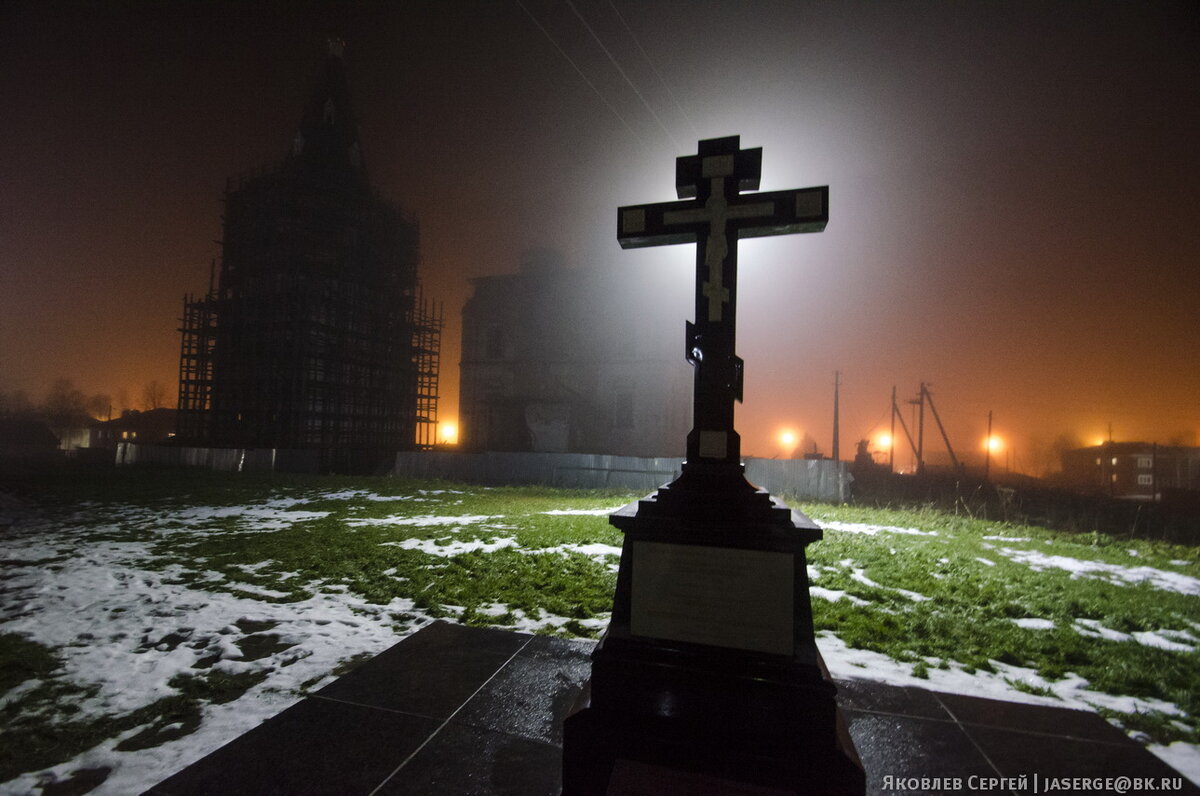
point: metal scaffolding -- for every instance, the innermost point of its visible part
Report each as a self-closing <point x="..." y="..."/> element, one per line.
<point x="428" y="323"/>
<point x="313" y="333"/>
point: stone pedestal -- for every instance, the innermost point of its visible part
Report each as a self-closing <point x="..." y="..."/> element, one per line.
<point x="708" y="679"/>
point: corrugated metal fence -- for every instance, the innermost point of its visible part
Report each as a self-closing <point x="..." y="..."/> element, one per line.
<point x="225" y="459"/>
<point x="797" y="478"/>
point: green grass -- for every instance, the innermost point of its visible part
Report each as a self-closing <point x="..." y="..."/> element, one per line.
<point x="340" y="549"/>
<point x="966" y="621"/>
<point x="22" y="659"/>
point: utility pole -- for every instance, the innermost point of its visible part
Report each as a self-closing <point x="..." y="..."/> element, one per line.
<point x="892" y="435"/>
<point x="907" y="435"/>
<point x="927" y="395"/>
<point x="837" y="380"/>
<point x="921" y="433"/>
<point x="987" y="449"/>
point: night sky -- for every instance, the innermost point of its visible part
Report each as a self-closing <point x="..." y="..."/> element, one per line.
<point x="1014" y="187"/>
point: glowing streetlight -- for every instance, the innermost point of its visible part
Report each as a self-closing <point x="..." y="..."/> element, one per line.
<point x="883" y="442"/>
<point x="994" y="444"/>
<point x="788" y="440"/>
<point x="448" y="432"/>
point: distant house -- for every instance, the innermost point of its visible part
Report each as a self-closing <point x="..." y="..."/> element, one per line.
<point x="146" y="428"/>
<point x="1137" y="470"/>
<point x="79" y="433"/>
<point x="556" y="359"/>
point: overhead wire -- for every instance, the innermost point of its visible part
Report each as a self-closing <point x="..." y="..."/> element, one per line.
<point x="612" y="59"/>
<point x="654" y="69"/>
<point x="581" y="74"/>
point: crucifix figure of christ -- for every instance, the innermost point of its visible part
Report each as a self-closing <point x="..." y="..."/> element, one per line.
<point x="714" y="215"/>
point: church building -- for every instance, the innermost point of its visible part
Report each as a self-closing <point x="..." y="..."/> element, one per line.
<point x="313" y="334"/>
<point x="575" y="360"/>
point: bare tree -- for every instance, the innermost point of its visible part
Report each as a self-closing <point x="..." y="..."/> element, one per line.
<point x="123" y="404"/>
<point x="65" y="405"/>
<point x="154" y="396"/>
<point x="16" y="403"/>
<point x="1186" y="439"/>
<point x="1050" y="459"/>
<point x="99" y="406"/>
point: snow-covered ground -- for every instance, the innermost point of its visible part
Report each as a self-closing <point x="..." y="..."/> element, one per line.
<point x="127" y="630"/>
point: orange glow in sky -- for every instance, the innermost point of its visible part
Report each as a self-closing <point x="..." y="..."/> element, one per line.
<point x="906" y="137"/>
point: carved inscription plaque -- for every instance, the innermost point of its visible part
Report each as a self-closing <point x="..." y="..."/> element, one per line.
<point x="714" y="595"/>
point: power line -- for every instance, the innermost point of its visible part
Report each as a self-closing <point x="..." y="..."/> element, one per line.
<point x="624" y="76"/>
<point x="581" y="74"/>
<point x="657" y="74"/>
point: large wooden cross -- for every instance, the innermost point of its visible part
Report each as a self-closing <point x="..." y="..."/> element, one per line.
<point x="714" y="216"/>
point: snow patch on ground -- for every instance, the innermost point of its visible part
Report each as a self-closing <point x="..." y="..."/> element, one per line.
<point x="1170" y="640"/>
<point x="986" y="561"/>
<point x="1183" y="757"/>
<point x="1034" y="624"/>
<point x="1093" y="629"/>
<point x="274" y="515"/>
<point x="422" y="521"/>
<point x="128" y="632"/>
<point x="589" y="512"/>
<point x="542" y="621"/>
<point x="362" y="494"/>
<point x="1111" y="573"/>
<point x="833" y="595"/>
<point x="871" y="530"/>
<point x="434" y="548"/>
<point x="1070" y="692"/>
<point x="859" y="575"/>
<point x="261" y="591"/>
<point x="600" y="553"/>
<point x="1159" y="640"/>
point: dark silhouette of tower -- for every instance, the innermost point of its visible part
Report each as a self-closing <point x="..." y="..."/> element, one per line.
<point x="313" y="334"/>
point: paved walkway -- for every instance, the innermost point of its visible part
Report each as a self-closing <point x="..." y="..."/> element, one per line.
<point x="453" y="710"/>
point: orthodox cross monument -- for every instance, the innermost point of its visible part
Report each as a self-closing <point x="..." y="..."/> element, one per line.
<point x="714" y="216"/>
<point x="708" y="677"/>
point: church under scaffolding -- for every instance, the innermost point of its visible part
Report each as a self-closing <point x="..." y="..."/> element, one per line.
<point x="313" y="334"/>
